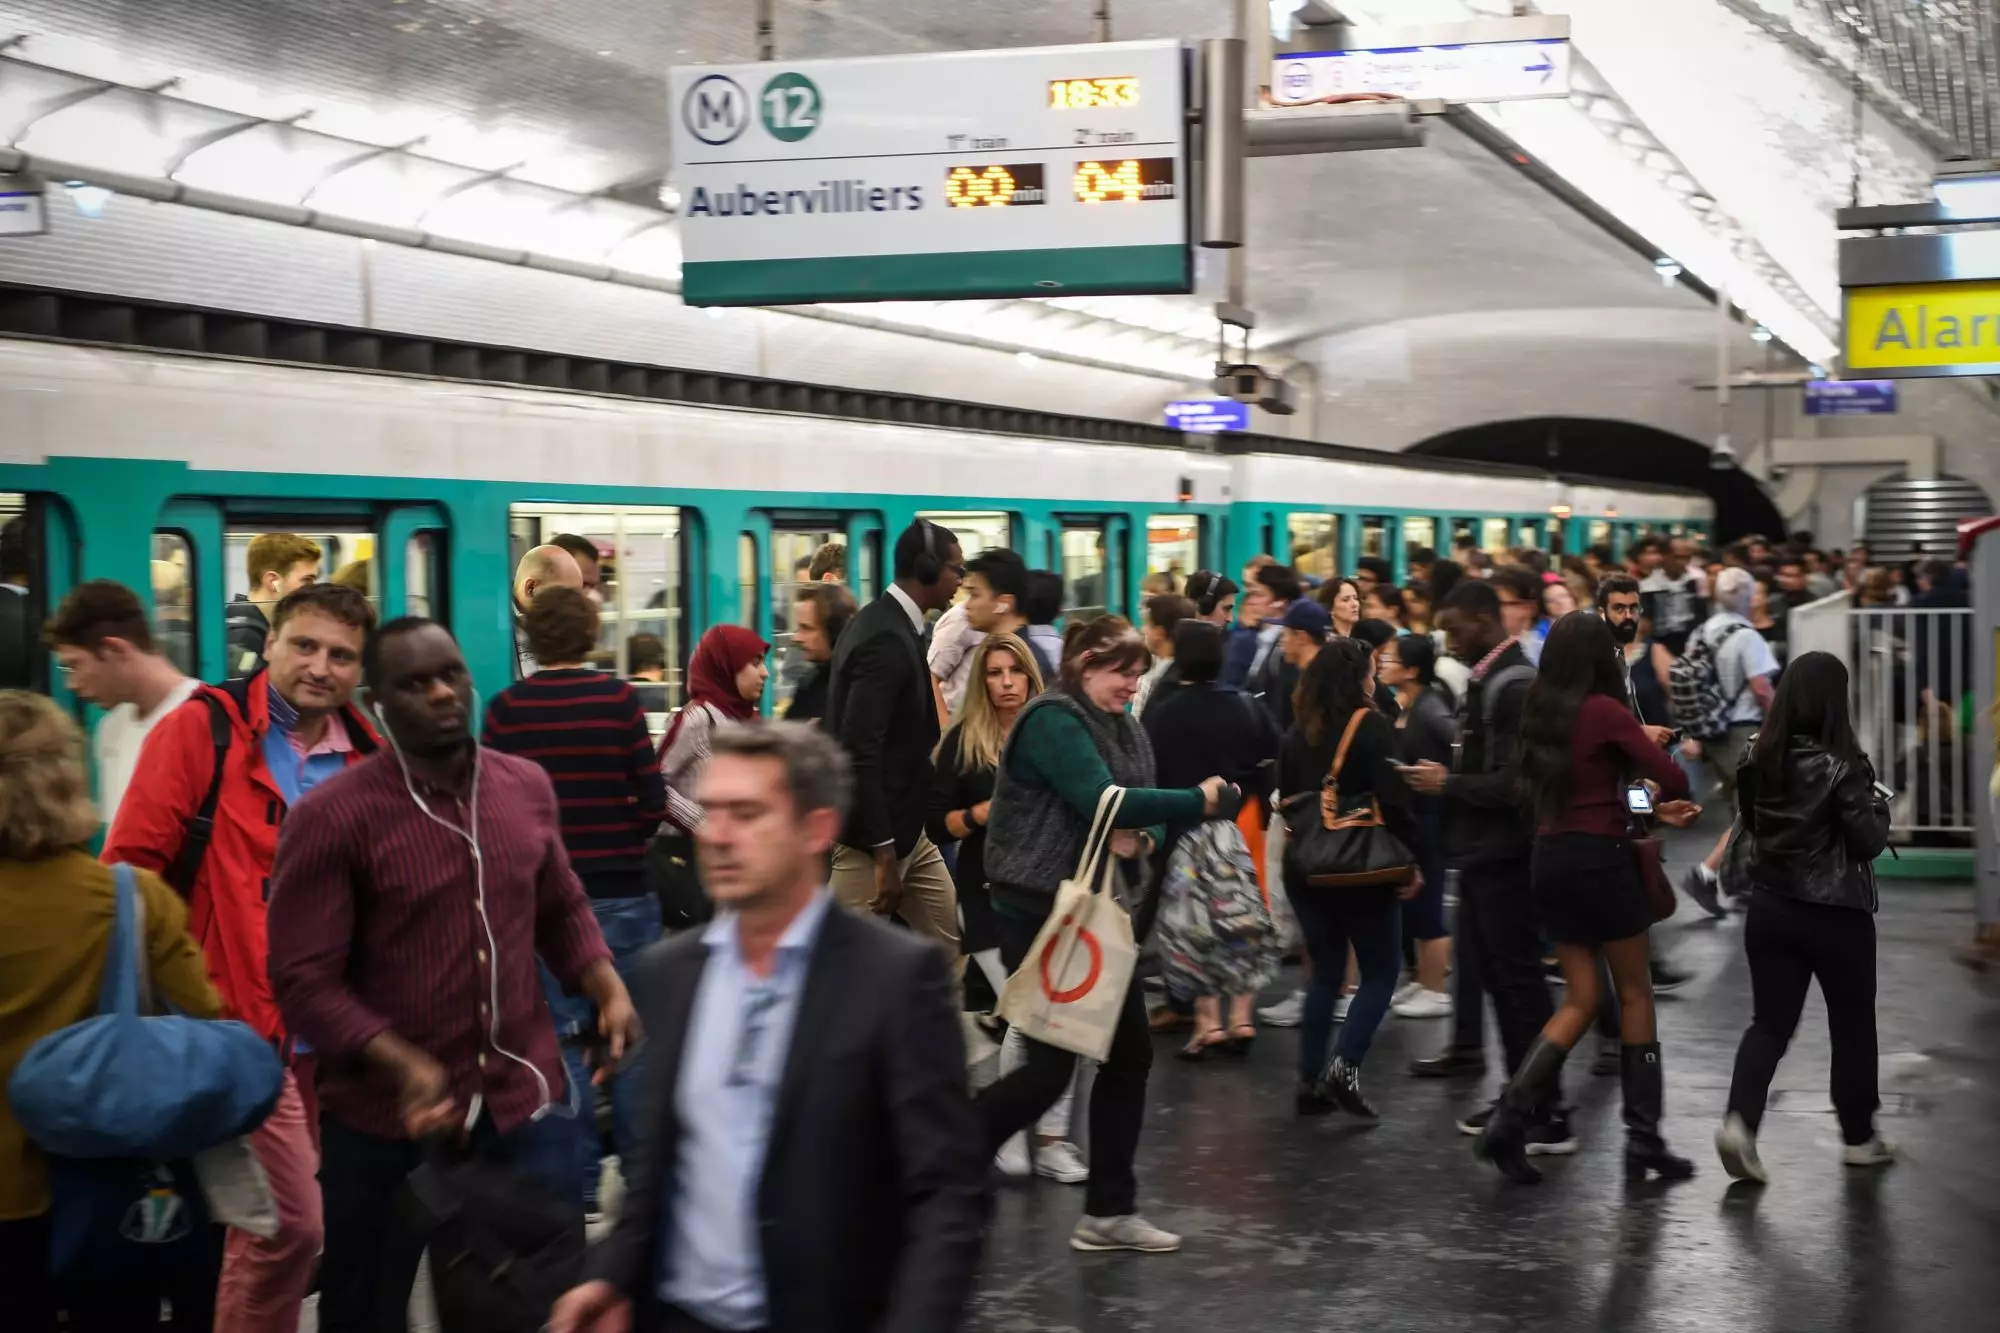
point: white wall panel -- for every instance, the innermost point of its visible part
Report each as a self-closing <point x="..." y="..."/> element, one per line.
<point x="187" y="256"/>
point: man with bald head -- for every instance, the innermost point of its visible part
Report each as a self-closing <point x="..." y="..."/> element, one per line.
<point x="542" y="567"/>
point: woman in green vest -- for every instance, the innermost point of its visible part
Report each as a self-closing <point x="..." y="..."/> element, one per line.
<point x="1067" y="746"/>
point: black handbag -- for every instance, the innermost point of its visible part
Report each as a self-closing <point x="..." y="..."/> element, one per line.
<point x="503" y="1247"/>
<point x="669" y="871"/>
<point x="1343" y="849"/>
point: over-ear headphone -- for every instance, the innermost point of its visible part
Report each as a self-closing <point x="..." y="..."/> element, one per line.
<point x="928" y="567"/>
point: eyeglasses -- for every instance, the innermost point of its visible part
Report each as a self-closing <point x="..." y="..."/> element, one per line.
<point x="750" y="1038"/>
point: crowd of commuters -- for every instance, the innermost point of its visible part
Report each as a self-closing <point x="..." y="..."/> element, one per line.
<point x="440" y="926"/>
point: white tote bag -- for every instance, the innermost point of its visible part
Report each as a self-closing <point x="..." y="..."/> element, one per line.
<point x="1071" y="987"/>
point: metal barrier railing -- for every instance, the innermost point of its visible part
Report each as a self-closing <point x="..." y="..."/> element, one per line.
<point x="1911" y="674"/>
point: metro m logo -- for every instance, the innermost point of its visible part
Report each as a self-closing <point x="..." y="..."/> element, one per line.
<point x="716" y="109"/>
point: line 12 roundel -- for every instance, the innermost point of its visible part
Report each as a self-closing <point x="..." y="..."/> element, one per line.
<point x="1071" y="994"/>
<point x="790" y="106"/>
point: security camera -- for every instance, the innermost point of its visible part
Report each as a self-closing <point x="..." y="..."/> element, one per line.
<point x="1257" y="386"/>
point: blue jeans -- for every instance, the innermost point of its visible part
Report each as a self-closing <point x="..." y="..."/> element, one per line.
<point x="1331" y="920"/>
<point x="628" y="925"/>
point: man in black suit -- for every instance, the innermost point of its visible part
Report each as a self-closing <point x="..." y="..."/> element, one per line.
<point x="812" y="1163"/>
<point x="880" y="707"/>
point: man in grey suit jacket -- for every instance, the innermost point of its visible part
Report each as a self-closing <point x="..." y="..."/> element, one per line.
<point x="812" y="1163"/>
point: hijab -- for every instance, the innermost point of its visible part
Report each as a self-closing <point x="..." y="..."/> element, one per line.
<point x="722" y="652"/>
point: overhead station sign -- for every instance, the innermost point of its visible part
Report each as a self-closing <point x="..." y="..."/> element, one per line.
<point x="1925" y="328"/>
<point x="1503" y="71"/>
<point x="1850" y="398"/>
<point x="1056" y="171"/>
<point x="1208" y="416"/>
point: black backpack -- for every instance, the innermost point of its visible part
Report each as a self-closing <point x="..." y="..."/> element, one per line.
<point x="503" y="1247"/>
<point x="199" y="831"/>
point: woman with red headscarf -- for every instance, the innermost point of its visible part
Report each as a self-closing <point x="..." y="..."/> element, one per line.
<point x="725" y="681"/>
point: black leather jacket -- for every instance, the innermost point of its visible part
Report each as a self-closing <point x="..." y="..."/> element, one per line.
<point x="1817" y="838"/>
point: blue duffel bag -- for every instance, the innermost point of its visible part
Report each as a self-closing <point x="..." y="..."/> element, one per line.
<point x="127" y="1085"/>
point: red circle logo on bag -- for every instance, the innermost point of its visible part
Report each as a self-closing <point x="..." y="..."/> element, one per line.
<point x="1090" y="976"/>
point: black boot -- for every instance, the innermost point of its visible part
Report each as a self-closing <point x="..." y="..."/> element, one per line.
<point x="1342" y="1082"/>
<point x="1504" y="1141"/>
<point x="1645" y="1092"/>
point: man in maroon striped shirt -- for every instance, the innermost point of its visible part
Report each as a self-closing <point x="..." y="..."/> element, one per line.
<point x="410" y="898"/>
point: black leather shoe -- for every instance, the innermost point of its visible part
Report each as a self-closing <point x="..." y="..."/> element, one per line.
<point x="1449" y="1063"/>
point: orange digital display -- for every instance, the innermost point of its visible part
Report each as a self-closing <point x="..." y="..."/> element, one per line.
<point x="1131" y="181"/>
<point x="1014" y="185"/>
<point x="1093" y="94"/>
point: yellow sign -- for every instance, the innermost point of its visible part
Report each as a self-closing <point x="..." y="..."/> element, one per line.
<point x="1919" y="325"/>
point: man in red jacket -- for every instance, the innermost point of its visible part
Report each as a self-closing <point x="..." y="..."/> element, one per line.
<point x="287" y="728"/>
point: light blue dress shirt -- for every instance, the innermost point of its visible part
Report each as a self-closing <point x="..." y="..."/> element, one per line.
<point x="738" y="1036"/>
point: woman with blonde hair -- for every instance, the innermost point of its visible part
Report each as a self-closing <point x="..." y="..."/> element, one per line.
<point x="1004" y="677"/>
<point x="57" y="906"/>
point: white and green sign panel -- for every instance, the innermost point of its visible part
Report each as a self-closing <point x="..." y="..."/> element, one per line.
<point x="1054" y="171"/>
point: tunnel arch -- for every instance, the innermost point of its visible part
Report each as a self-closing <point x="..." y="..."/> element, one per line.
<point x="1620" y="449"/>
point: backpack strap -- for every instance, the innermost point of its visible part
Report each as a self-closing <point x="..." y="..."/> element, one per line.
<point x="1490" y="693"/>
<point x="199" y="831"/>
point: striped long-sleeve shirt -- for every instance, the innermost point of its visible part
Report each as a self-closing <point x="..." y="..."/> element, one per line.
<point x="376" y="926"/>
<point x="588" y="731"/>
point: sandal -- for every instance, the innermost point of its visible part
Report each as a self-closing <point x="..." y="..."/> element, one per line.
<point x="1241" y="1038"/>
<point x="1198" y="1048"/>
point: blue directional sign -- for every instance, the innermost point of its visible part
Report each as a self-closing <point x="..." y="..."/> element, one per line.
<point x="1850" y="398"/>
<point x="1208" y="415"/>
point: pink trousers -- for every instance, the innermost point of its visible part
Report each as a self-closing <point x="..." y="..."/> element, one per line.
<point x="264" y="1281"/>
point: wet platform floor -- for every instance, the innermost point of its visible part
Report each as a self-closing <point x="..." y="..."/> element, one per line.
<point x="1332" y="1224"/>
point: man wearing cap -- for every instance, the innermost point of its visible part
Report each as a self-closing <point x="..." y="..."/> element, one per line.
<point x="1305" y="626"/>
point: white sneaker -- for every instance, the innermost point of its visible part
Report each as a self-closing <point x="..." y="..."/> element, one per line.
<point x="1872" y="1153"/>
<point x="1060" y="1161"/>
<point x="1131" y="1232"/>
<point x="1286" y="1013"/>
<point x="1012" y="1159"/>
<point x="1341" y="1006"/>
<point x="1737" y="1147"/>
<point x="1406" y="992"/>
<point x="1424" y="1004"/>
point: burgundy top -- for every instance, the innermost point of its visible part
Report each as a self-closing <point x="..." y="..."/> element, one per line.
<point x="375" y="926"/>
<point x="1608" y="750"/>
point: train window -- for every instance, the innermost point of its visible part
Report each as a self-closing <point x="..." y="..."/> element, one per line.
<point x="423" y="574"/>
<point x="174" y="600"/>
<point x="1086" y="580"/>
<point x="1531" y="533"/>
<point x="1173" y="546"/>
<point x="291" y="558"/>
<point x="1375" y="536"/>
<point x="792" y="552"/>
<point x="1600" y="532"/>
<point x="1493" y="537"/>
<point x="1464" y="536"/>
<point x="864" y="567"/>
<point x="976" y="530"/>
<point x="23" y="595"/>
<point x="1418" y="534"/>
<point x="746" y="579"/>
<point x="1314" y="544"/>
<point x="642" y="582"/>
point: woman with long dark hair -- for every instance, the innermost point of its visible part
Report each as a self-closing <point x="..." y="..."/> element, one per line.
<point x="1338" y="685"/>
<point x="1582" y="753"/>
<point x="1812" y="826"/>
<point x="1205" y="727"/>
<point x="1425" y="729"/>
